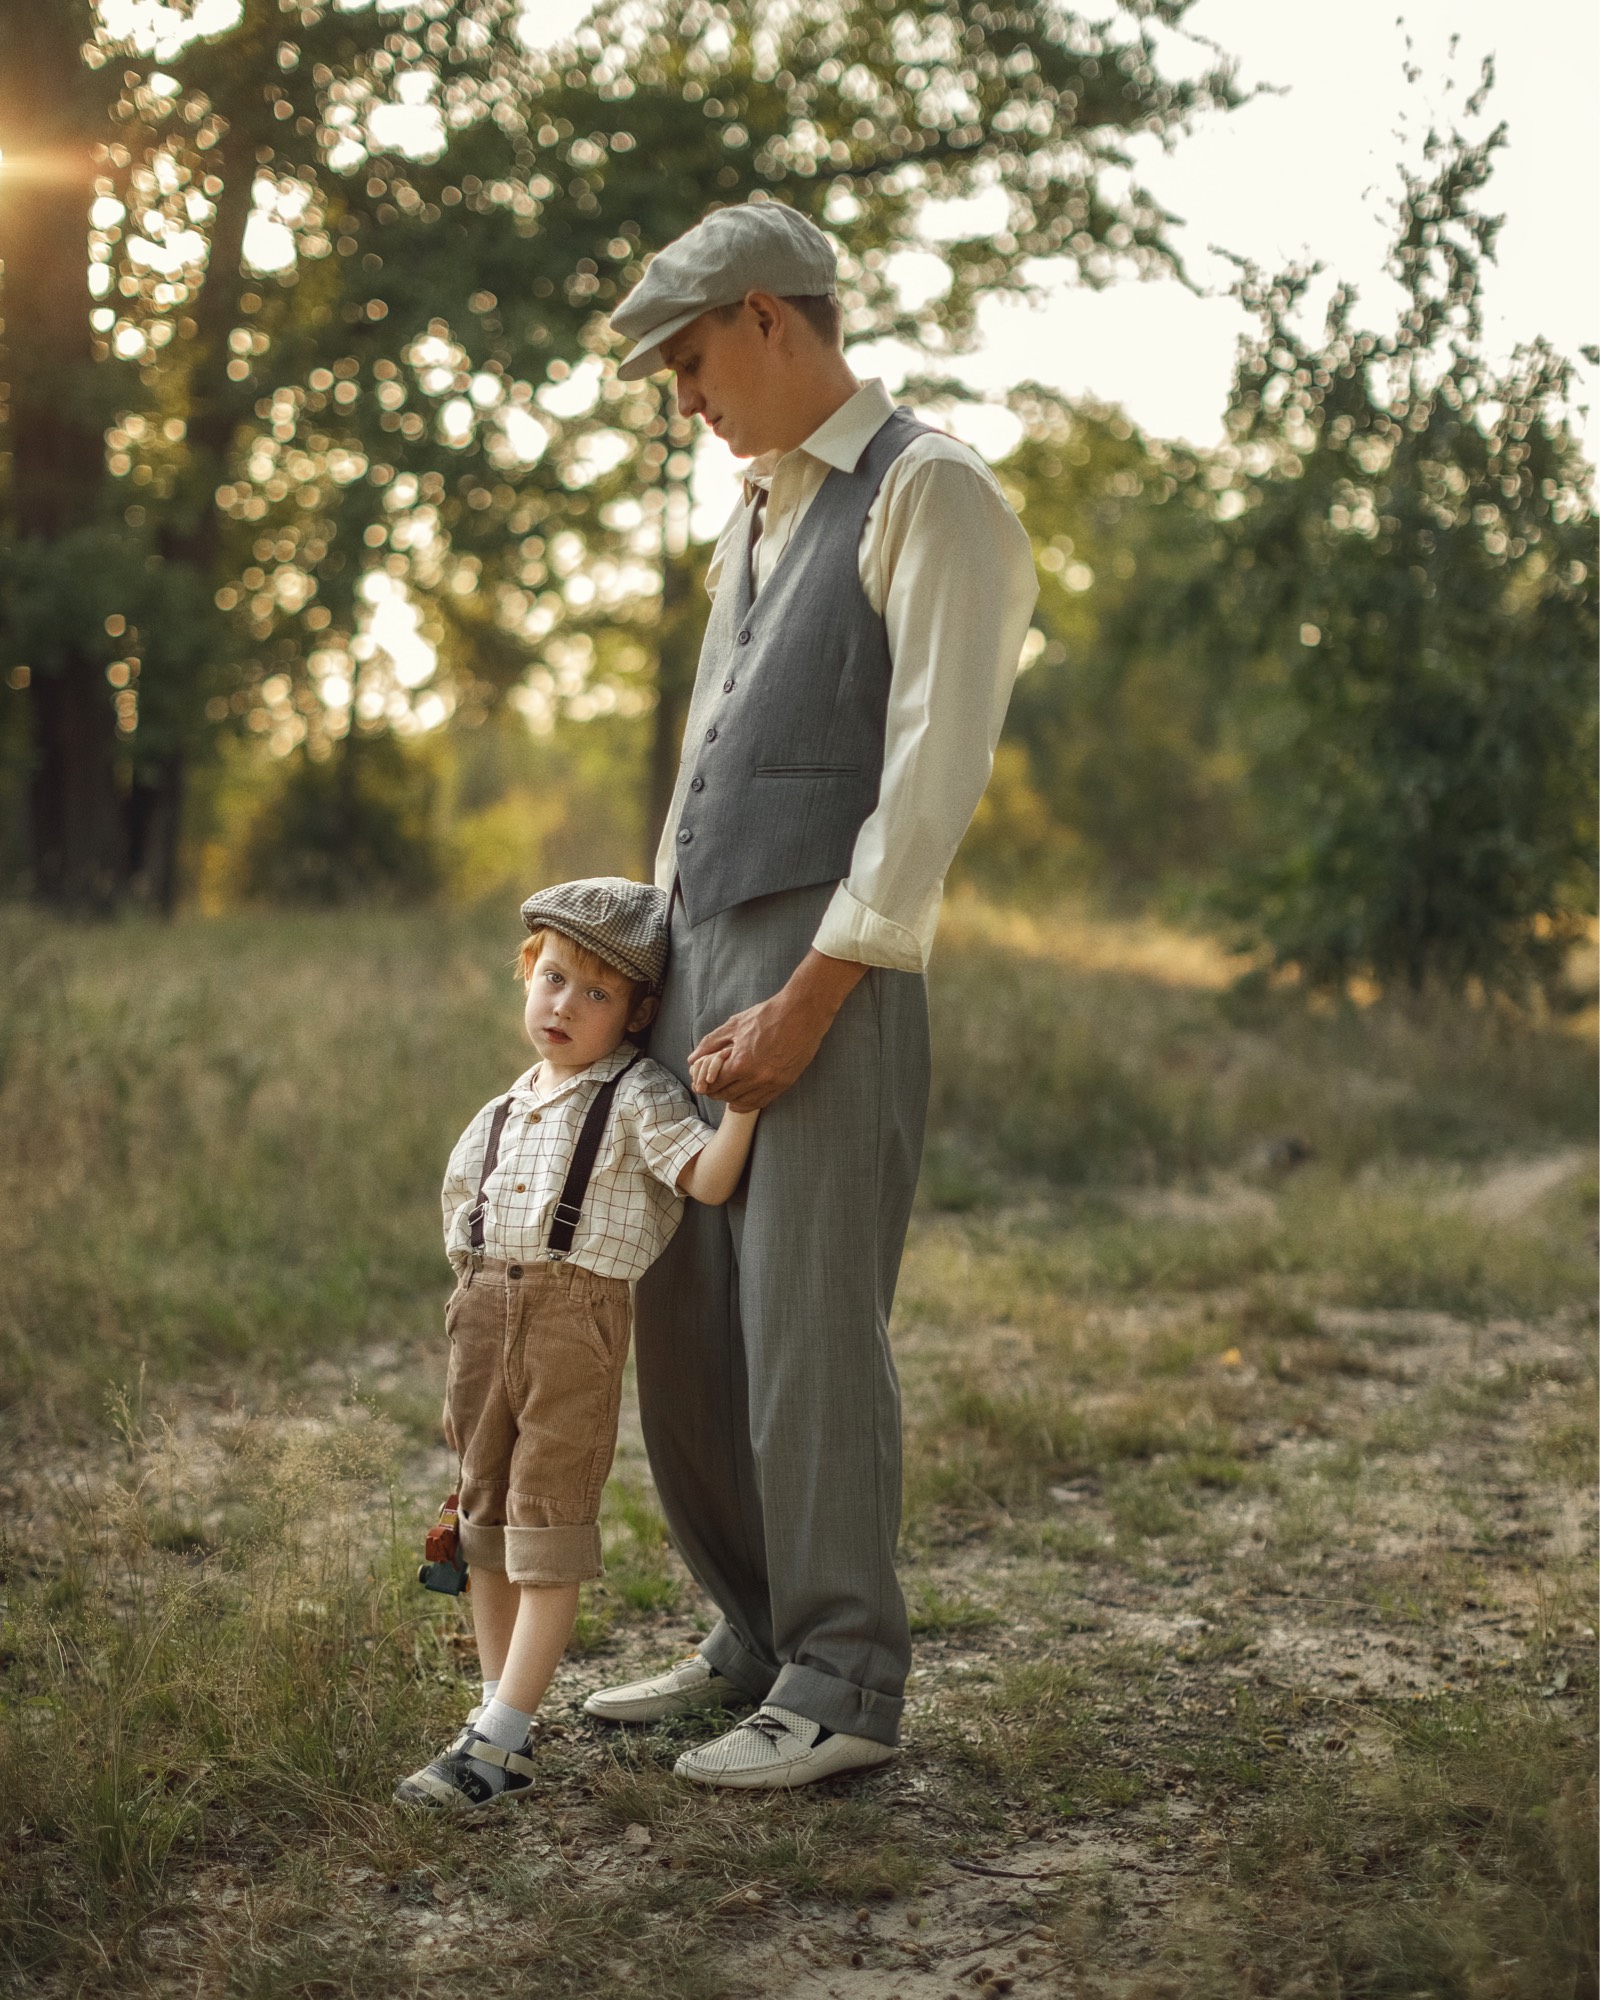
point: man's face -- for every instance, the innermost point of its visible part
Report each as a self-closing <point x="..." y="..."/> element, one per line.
<point x="726" y="374"/>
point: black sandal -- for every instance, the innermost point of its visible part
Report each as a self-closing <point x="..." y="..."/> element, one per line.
<point x="450" y="1783"/>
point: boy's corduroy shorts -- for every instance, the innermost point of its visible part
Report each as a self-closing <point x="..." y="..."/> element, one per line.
<point x="536" y="1358"/>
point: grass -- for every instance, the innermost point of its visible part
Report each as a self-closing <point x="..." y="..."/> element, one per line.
<point x="222" y="1137"/>
<point x="1248" y="1540"/>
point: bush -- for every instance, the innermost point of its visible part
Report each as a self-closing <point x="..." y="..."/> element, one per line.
<point x="1416" y="564"/>
<point x="356" y="827"/>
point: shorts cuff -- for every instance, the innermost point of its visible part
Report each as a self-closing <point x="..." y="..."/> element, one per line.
<point x="484" y="1548"/>
<point x="553" y="1555"/>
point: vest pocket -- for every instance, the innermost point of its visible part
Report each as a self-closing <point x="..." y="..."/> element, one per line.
<point x="806" y="770"/>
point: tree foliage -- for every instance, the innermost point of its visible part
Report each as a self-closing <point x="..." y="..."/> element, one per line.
<point x="351" y="267"/>
<point x="1414" y="565"/>
<point x="1126" y="715"/>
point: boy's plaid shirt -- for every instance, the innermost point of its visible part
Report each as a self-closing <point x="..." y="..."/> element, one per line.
<point x="632" y="1206"/>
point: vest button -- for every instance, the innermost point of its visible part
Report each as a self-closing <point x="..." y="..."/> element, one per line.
<point x="711" y="734"/>
<point x="727" y="687"/>
<point x="684" y="836"/>
<point x="697" y="784"/>
<point x="744" y="638"/>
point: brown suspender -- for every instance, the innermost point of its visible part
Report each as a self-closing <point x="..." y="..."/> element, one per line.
<point x="569" y="1205"/>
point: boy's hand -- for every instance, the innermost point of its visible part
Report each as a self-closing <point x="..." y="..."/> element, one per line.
<point x="703" y="1072"/>
<point x="758" y="1053"/>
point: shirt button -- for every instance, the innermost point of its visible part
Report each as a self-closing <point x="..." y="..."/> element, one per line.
<point x="744" y="638"/>
<point x="711" y="734"/>
<point x="727" y="687"/>
<point x="534" y="1117"/>
<point x="684" y="836"/>
<point x="522" y="1187"/>
<point x="697" y="784"/>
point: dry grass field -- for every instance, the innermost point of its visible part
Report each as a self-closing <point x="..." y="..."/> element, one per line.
<point x="1248" y="1355"/>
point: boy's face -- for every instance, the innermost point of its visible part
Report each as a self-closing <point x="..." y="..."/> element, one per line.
<point x="575" y="1013"/>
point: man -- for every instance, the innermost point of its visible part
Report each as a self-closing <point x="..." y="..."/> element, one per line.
<point x="870" y="596"/>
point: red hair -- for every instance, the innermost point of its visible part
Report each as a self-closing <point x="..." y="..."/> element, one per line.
<point x="590" y="961"/>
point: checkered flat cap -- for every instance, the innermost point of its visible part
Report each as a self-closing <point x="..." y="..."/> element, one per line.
<point x="623" y="922"/>
<point x="754" y="247"/>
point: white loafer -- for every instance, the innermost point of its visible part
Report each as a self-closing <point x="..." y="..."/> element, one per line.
<point x="775" y="1750"/>
<point x="691" y="1685"/>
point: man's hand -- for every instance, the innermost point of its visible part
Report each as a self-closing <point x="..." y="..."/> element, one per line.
<point x="756" y="1055"/>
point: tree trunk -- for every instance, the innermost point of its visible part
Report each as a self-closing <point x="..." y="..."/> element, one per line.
<point x="80" y="857"/>
<point x="154" y="813"/>
<point x="683" y="610"/>
<point x="51" y="116"/>
<point x="191" y="527"/>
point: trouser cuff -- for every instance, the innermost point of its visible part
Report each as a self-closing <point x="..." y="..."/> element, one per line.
<point x="837" y="1704"/>
<point x="732" y="1659"/>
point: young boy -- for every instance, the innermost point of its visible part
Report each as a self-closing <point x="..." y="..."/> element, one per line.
<point x="539" y="1322"/>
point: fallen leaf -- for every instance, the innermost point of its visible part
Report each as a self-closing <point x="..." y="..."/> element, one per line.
<point x="737" y="1899"/>
<point x="636" y="1836"/>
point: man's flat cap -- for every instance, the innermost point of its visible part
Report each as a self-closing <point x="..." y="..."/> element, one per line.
<point x="623" y="922"/>
<point x="757" y="247"/>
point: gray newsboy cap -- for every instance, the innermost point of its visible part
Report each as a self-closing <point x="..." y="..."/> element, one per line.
<point x="623" y="922"/>
<point x="757" y="247"/>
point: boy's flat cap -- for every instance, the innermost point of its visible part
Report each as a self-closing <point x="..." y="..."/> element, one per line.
<point x="623" y="922"/>
<point x="755" y="247"/>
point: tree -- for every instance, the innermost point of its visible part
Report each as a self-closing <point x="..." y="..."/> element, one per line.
<point x="50" y="111"/>
<point x="1126" y="715"/>
<point x="1414" y="559"/>
<point x="361" y="260"/>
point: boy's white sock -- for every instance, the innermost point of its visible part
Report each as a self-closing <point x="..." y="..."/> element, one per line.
<point x="489" y="1689"/>
<point x="505" y="1726"/>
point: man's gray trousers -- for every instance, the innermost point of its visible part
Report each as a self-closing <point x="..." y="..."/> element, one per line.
<point x="769" y="1397"/>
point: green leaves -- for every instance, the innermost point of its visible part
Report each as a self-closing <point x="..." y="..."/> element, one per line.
<point x="1417" y="556"/>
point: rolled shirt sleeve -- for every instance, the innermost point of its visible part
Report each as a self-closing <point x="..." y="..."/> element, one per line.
<point x="951" y="572"/>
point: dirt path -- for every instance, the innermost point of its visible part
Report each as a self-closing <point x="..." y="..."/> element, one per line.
<point x="1136" y="1699"/>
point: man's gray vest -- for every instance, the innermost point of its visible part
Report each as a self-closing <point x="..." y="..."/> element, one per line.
<point x="783" y="749"/>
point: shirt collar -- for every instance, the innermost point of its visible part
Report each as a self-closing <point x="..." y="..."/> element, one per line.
<point x="597" y="1072"/>
<point x="837" y="442"/>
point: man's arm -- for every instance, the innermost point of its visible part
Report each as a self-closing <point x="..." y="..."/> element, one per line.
<point x="950" y="569"/>
<point x="952" y="572"/>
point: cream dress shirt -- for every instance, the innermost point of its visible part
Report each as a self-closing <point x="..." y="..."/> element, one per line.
<point x="945" y="563"/>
